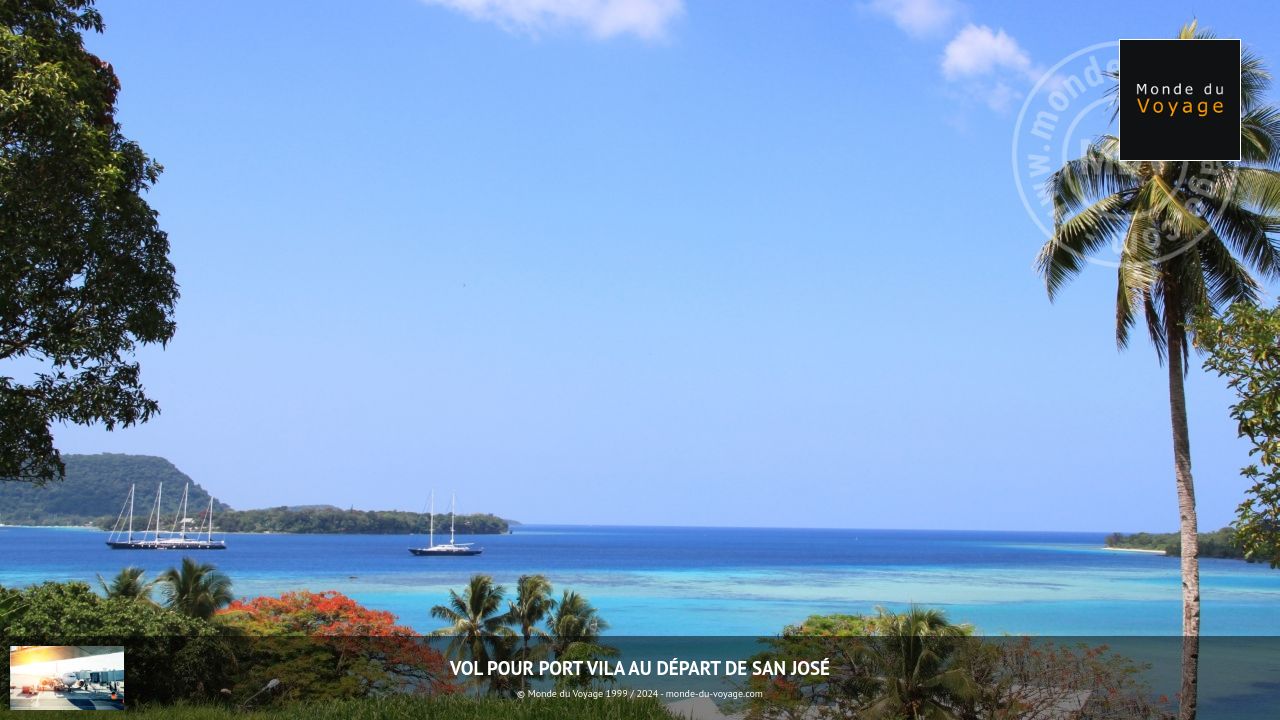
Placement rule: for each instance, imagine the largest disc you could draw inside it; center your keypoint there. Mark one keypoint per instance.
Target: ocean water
(724, 581)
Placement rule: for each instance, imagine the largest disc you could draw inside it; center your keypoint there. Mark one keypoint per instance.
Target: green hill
(95, 489)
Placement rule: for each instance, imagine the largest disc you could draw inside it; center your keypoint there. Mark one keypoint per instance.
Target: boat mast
(453, 502)
(182, 513)
(132, 488)
(159, 493)
(210, 537)
(115, 529)
(431, 520)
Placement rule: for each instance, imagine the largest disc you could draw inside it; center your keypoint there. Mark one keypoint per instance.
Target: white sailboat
(121, 537)
(451, 548)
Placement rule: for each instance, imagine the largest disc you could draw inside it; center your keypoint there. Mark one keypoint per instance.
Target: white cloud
(978, 50)
(1000, 96)
(646, 19)
(988, 65)
(917, 17)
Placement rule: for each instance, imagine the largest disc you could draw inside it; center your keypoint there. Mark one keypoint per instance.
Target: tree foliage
(85, 276)
(1216, 544)
(195, 589)
(1243, 346)
(325, 646)
(171, 656)
(478, 629)
(916, 664)
(128, 584)
(335, 520)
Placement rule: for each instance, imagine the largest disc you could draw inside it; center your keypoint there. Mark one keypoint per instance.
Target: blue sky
(640, 261)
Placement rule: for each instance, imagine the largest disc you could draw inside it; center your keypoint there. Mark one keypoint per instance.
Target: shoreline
(52, 527)
(244, 532)
(1137, 550)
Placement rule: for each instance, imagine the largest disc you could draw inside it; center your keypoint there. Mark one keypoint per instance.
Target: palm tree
(913, 660)
(575, 622)
(477, 629)
(128, 584)
(1189, 234)
(532, 605)
(197, 589)
(574, 628)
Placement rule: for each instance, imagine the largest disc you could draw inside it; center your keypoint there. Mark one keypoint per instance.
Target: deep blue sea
(724, 581)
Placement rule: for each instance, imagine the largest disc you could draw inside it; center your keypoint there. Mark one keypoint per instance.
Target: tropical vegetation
(327, 646)
(85, 277)
(1222, 543)
(1193, 236)
(195, 589)
(450, 707)
(484, 626)
(171, 656)
(128, 584)
(916, 664)
(200, 646)
(1243, 346)
(328, 519)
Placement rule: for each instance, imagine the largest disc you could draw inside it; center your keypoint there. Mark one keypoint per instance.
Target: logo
(1179, 100)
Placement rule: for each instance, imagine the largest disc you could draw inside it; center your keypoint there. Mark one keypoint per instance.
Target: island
(1216, 544)
(96, 485)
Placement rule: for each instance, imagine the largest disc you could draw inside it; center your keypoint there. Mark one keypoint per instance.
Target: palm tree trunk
(1186, 509)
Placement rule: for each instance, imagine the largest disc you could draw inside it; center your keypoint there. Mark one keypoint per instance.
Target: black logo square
(1179, 100)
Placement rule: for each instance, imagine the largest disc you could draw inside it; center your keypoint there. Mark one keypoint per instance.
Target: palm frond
(1246, 231)
(1062, 257)
(1155, 323)
(1175, 217)
(1254, 80)
(1135, 275)
(1098, 173)
(1224, 279)
(1260, 135)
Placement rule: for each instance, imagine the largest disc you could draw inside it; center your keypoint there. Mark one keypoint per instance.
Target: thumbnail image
(66, 677)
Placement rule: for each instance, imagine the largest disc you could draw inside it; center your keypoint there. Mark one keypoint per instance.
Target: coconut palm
(196, 589)
(575, 621)
(128, 584)
(574, 628)
(476, 626)
(532, 605)
(913, 659)
(1191, 236)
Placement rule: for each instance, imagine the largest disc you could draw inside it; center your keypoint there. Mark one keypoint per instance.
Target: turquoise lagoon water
(725, 581)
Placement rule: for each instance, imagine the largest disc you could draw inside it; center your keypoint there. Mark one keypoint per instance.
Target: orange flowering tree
(326, 645)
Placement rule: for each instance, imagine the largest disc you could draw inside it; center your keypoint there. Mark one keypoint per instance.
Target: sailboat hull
(437, 552)
(166, 544)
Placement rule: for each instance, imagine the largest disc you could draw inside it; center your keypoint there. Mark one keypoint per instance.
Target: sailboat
(451, 548)
(178, 537)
